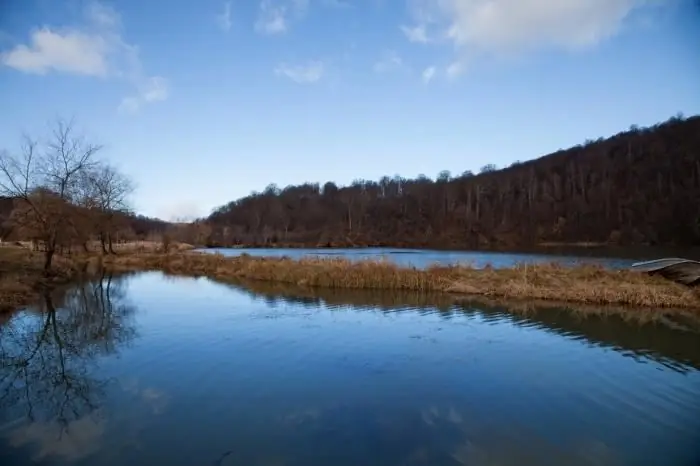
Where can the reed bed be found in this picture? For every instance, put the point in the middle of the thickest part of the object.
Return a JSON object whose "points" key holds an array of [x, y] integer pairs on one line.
{"points": [[584, 284]]}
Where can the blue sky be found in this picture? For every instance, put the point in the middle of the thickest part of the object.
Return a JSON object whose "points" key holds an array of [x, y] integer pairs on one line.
{"points": [[203, 102]]}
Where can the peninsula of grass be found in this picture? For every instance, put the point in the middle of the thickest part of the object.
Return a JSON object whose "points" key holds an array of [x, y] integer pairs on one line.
{"points": [[583, 284], [21, 277]]}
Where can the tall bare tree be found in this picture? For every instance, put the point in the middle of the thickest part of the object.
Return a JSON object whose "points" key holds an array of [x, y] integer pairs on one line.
{"points": [[45, 181]]}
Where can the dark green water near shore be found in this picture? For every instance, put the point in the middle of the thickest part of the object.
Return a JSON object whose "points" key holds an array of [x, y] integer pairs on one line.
{"points": [[147, 369]]}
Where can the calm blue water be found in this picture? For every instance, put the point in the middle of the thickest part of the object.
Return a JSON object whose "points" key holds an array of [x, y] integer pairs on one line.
{"points": [[155, 370], [421, 258]]}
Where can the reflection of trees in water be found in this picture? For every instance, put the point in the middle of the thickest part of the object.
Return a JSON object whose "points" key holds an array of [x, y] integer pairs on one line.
{"points": [[672, 340], [47, 353]]}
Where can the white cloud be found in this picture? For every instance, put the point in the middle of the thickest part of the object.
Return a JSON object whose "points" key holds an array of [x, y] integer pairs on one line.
{"points": [[153, 89], [156, 89], [390, 61], [223, 19], [507, 24], [103, 15], [274, 16], [416, 33], [271, 18], [454, 69], [94, 48], [129, 105], [428, 74], [302, 74], [501, 27], [70, 52]]}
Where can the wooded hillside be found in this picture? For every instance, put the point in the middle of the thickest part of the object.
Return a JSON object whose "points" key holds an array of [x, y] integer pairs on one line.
{"points": [[641, 186]]}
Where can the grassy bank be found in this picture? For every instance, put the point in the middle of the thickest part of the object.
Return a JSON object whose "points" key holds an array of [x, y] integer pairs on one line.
{"points": [[585, 284], [21, 277]]}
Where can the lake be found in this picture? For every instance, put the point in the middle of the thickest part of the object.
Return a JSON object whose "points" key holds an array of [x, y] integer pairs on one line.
{"points": [[421, 258], [149, 369]]}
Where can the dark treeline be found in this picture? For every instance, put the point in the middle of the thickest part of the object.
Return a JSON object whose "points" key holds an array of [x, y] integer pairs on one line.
{"points": [[641, 186]]}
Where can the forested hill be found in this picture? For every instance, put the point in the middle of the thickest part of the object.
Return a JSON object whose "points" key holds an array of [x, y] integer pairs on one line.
{"points": [[641, 186]]}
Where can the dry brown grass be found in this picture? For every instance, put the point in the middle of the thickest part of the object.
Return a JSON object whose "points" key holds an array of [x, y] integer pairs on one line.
{"points": [[148, 246], [585, 284], [21, 277]]}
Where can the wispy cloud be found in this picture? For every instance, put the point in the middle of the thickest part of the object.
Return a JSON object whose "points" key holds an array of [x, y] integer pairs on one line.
{"points": [[153, 89], [275, 16], [416, 33], [428, 74], [389, 61], [94, 48], [308, 73], [223, 19], [475, 27], [271, 18]]}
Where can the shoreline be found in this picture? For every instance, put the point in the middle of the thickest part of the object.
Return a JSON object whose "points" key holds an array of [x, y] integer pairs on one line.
{"points": [[599, 250], [593, 285], [22, 278], [582, 284]]}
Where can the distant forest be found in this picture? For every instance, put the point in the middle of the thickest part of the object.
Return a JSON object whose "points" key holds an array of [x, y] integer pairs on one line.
{"points": [[638, 187]]}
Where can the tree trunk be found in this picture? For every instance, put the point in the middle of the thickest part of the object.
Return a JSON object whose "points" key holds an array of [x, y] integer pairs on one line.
{"points": [[111, 247], [48, 257], [103, 244]]}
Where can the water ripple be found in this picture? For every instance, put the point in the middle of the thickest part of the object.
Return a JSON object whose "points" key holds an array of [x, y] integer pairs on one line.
{"points": [[328, 377]]}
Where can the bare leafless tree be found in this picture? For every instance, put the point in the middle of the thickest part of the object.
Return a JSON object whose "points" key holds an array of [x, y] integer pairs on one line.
{"points": [[110, 190], [45, 183]]}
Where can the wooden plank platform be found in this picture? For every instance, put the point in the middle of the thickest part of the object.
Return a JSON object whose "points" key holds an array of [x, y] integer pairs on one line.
{"points": [[685, 271]]}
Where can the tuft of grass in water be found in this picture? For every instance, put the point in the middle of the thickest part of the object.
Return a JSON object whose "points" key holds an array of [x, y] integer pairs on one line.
{"points": [[584, 284]]}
